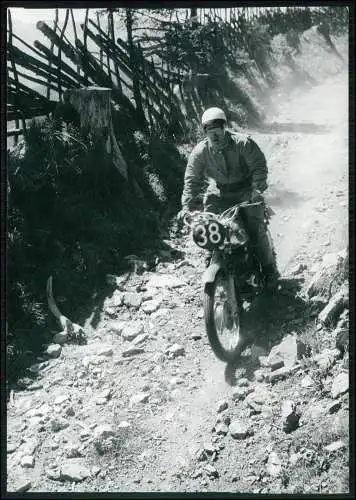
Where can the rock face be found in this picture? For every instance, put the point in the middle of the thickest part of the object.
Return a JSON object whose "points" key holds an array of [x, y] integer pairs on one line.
{"points": [[330, 269]]}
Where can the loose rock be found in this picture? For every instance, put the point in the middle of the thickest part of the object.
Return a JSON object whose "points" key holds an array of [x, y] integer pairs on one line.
{"points": [[132, 351], [340, 385], [132, 299], [280, 374], [58, 423], [105, 351], [141, 397], [342, 340], [165, 281], [22, 486], [103, 431], [289, 351], [330, 267], [140, 338], [150, 306], [74, 470], [222, 405], [290, 416], [306, 382], [72, 451], [132, 330], [221, 429], [175, 350], [54, 350], [299, 268], [334, 307], [255, 407], [239, 430], [334, 407], [60, 338], [327, 358], [336, 445], [274, 464], [29, 447], [240, 393], [28, 461], [211, 470]]}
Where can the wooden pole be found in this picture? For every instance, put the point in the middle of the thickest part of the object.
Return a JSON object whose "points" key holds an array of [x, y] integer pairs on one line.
{"points": [[60, 56], [112, 37], [101, 50], [75, 35], [107, 55], [13, 65], [52, 51], [85, 39]]}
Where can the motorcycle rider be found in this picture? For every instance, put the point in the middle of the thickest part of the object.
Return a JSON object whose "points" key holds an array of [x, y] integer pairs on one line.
{"points": [[236, 171]]}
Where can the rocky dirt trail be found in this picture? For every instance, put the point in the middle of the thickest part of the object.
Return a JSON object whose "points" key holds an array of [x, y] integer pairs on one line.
{"points": [[145, 405]]}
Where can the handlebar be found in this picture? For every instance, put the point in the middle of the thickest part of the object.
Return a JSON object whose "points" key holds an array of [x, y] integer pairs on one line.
{"points": [[230, 213]]}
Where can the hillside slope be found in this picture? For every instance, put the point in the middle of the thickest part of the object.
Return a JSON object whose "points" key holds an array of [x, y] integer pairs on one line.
{"points": [[145, 406]]}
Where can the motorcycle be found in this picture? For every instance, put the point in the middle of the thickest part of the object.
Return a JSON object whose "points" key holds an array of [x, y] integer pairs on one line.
{"points": [[233, 277]]}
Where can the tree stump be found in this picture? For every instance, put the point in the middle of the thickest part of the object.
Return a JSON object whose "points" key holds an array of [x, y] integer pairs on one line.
{"points": [[93, 105]]}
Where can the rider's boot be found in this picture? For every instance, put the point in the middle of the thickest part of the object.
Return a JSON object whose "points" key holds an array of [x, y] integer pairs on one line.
{"points": [[267, 257]]}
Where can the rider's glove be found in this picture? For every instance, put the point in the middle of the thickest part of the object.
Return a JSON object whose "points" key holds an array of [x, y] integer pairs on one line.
{"points": [[256, 196], [182, 214]]}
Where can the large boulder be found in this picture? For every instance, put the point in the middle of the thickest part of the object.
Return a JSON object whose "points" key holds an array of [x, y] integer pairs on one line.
{"points": [[330, 275], [335, 306]]}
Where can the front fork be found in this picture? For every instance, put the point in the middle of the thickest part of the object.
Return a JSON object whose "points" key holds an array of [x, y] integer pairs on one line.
{"points": [[218, 263]]}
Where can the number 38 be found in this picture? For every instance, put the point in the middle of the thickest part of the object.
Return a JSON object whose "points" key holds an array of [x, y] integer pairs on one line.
{"points": [[206, 235]]}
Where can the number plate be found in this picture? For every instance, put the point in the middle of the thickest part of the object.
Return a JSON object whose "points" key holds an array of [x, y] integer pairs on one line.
{"points": [[209, 235]]}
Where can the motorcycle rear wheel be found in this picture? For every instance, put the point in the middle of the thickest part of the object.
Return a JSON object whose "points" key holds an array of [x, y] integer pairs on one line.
{"points": [[224, 331]]}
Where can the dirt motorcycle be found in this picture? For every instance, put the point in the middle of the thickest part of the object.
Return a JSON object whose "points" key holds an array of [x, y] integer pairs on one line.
{"points": [[233, 277]]}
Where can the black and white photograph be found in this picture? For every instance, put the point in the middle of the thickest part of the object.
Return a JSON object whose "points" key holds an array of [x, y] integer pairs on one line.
{"points": [[177, 249]]}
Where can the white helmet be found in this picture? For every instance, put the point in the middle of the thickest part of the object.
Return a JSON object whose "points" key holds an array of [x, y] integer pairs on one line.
{"points": [[212, 114]]}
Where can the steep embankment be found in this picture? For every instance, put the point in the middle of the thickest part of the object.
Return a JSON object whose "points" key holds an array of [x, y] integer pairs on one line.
{"points": [[145, 406]]}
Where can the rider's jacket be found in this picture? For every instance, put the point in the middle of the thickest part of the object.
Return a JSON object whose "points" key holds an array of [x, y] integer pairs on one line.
{"points": [[241, 163]]}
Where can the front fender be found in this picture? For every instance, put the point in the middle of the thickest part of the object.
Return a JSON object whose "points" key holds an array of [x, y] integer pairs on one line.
{"points": [[211, 272]]}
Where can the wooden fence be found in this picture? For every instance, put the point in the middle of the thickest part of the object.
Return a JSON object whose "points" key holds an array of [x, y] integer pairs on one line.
{"points": [[141, 78]]}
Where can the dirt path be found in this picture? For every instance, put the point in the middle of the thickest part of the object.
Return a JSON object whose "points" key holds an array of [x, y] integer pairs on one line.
{"points": [[306, 146], [307, 152]]}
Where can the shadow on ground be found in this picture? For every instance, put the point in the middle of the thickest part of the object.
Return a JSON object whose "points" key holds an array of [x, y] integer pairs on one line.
{"points": [[271, 317], [163, 254]]}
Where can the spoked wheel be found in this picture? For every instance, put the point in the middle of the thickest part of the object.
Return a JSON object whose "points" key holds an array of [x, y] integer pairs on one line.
{"points": [[222, 312]]}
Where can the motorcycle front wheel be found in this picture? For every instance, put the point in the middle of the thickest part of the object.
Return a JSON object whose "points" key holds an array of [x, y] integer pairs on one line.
{"points": [[223, 319]]}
